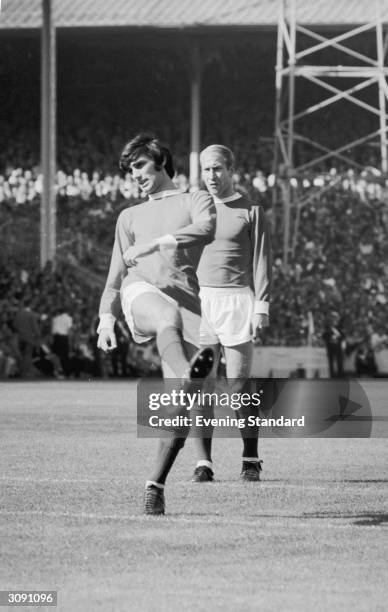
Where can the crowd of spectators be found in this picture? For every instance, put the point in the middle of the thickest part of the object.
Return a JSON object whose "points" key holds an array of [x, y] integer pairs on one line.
{"points": [[48, 325], [339, 217], [18, 186], [338, 267], [338, 264]]}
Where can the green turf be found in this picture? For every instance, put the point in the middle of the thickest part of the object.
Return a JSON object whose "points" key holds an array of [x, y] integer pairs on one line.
{"points": [[309, 537]]}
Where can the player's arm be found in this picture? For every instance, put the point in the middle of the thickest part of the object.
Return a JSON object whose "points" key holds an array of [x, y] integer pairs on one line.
{"points": [[199, 232], [110, 305], [202, 228], [261, 266]]}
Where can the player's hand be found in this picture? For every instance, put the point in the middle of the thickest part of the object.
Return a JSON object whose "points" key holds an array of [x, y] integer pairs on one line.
{"points": [[132, 254], [107, 340], [259, 321]]}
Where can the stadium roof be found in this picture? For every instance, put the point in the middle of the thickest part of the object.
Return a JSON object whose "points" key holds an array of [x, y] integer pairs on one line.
{"points": [[25, 14]]}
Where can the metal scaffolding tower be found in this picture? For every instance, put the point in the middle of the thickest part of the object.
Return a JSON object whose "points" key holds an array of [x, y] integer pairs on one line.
{"points": [[290, 66]]}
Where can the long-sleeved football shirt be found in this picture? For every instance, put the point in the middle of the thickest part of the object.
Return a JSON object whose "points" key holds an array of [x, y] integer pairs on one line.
{"points": [[186, 223], [240, 255]]}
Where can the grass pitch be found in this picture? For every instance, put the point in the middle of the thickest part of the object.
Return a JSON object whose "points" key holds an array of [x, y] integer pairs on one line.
{"points": [[309, 536]]}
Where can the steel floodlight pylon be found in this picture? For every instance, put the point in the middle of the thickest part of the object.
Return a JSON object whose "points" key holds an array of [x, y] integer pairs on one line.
{"points": [[290, 65]]}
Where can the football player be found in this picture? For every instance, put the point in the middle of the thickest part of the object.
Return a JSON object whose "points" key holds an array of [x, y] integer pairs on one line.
{"points": [[152, 277], [234, 274]]}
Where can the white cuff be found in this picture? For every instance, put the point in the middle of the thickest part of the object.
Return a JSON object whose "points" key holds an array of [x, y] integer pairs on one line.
{"points": [[168, 241], [261, 307], [107, 321]]}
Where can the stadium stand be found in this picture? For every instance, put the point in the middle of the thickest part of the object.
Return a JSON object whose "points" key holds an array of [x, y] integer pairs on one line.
{"points": [[339, 262], [340, 236]]}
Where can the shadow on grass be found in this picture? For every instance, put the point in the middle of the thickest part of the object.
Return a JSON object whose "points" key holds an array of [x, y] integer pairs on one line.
{"points": [[374, 480], [373, 519], [362, 519], [366, 519]]}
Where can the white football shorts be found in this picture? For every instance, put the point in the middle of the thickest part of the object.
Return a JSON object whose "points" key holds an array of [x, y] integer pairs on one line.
{"points": [[191, 321], [226, 315]]}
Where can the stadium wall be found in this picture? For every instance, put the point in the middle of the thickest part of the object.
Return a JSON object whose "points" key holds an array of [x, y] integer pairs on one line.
{"points": [[281, 361]]}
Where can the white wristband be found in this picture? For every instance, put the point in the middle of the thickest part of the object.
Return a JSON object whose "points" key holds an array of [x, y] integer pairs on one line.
{"points": [[261, 307], [107, 321]]}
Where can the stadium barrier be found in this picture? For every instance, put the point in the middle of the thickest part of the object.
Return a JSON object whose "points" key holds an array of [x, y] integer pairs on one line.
{"points": [[282, 361], [381, 357], [304, 361]]}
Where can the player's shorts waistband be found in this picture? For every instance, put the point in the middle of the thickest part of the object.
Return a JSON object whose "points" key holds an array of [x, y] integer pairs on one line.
{"points": [[211, 292]]}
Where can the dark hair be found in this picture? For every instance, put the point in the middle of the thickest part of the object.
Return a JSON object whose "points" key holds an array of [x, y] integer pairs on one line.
{"points": [[146, 144]]}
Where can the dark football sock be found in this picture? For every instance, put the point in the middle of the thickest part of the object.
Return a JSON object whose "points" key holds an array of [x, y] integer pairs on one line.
{"points": [[204, 448], [249, 433], [250, 448], [167, 453], [171, 349], [202, 434]]}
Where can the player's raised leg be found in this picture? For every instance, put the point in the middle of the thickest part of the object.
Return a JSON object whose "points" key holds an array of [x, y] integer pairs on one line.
{"points": [[155, 316]]}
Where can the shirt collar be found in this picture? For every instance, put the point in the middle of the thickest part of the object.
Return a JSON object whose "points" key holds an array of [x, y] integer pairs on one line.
{"points": [[163, 194], [235, 196]]}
